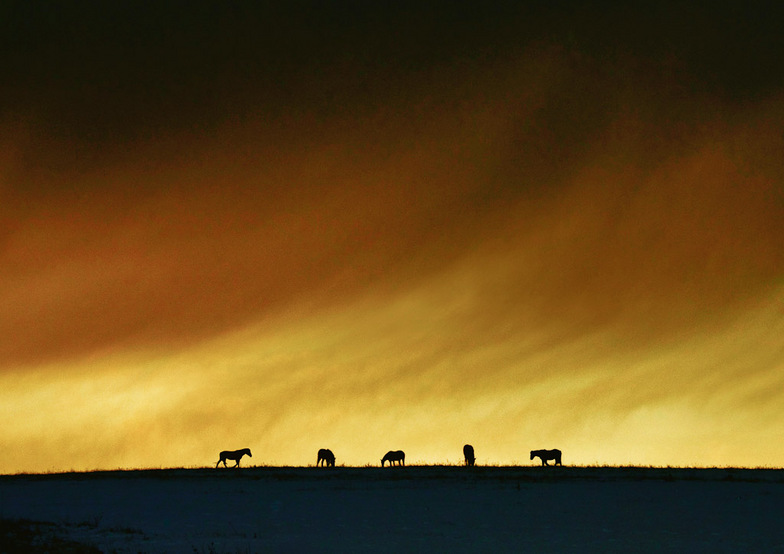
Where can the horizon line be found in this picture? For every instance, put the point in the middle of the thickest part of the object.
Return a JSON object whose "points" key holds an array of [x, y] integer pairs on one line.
{"points": [[389, 469]]}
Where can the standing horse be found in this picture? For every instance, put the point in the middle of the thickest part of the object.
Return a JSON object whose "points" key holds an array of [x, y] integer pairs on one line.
{"points": [[326, 456], [468, 452], [545, 455], [233, 455], [394, 456]]}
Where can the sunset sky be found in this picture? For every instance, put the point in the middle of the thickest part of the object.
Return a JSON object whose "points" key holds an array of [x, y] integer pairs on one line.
{"points": [[373, 226]]}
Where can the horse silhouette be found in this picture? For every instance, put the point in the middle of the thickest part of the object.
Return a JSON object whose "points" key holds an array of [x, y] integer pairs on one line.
{"points": [[394, 456], [545, 455], [326, 456], [468, 452], [233, 455]]}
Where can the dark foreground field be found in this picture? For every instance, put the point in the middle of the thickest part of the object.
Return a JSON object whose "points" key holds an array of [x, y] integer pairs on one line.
{"points": [[410, 509]]}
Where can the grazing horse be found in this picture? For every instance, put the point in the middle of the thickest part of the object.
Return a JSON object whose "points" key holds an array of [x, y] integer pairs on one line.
{"points": [[233, 455], [545, 455], [468, 452], [394, 456], [325, 455]]}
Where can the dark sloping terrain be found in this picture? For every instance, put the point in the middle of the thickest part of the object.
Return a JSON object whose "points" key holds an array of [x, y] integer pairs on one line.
{"points": [[415, 508]]}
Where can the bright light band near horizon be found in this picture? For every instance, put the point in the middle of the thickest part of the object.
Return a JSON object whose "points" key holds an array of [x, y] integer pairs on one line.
{"points": [[152, 415]]}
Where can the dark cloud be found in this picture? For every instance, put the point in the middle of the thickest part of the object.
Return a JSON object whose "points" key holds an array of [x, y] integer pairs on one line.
{"points": [[106, 74], [173, 171]]}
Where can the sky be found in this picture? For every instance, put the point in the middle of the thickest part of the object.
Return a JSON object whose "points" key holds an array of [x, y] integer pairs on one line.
{"points": [[372, 227]]}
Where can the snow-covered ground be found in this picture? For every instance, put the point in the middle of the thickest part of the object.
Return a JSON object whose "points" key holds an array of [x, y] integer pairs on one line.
{"points": [[408, 509]]}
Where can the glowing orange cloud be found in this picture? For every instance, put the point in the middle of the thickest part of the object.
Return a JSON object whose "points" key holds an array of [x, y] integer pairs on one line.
{"points": [[416, 279]]}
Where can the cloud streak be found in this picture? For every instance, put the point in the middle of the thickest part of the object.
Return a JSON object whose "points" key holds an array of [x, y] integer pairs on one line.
{"points": [[533, 249]]}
